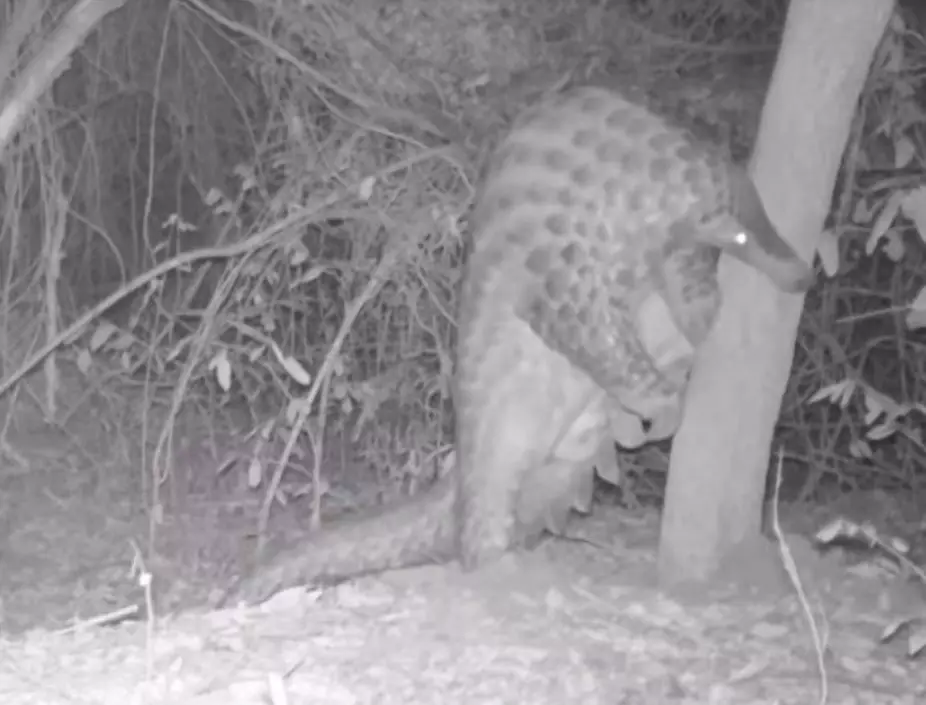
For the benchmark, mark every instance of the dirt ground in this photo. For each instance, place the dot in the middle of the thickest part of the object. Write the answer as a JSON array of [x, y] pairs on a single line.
[[571, 621]]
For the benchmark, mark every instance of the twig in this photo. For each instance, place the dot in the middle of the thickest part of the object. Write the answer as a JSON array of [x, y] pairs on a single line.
[[265, 237], [113, 617], [51, 62], [353, 310], [791, 568]]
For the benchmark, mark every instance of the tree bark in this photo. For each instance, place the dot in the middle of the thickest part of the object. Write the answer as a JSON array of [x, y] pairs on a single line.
[[719, 461]]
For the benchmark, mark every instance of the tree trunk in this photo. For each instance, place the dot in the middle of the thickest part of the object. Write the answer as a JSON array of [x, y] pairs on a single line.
[[719, 461]]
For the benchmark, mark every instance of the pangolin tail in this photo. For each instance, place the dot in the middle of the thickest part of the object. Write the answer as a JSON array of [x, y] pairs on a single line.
[[419, 530]]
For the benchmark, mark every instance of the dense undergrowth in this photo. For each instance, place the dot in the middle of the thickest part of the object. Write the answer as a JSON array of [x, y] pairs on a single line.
[[327, 156]]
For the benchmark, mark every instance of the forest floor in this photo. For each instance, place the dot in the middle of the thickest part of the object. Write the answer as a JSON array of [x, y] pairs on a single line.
[[571, 621]]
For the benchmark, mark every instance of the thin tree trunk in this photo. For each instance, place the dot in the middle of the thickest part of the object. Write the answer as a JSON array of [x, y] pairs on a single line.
[[720, 456]]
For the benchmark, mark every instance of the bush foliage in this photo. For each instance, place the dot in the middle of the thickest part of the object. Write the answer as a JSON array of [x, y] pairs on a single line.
[[322, 159]]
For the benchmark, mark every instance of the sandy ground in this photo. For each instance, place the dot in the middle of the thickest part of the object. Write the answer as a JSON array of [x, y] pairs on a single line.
[[573, 621]]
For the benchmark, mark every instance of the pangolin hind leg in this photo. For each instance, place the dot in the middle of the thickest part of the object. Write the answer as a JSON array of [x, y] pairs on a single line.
[[557, 489], [566, 481], [516, 398]]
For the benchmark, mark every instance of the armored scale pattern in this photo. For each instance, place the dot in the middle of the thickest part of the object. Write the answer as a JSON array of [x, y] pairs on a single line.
[[590, 204]]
